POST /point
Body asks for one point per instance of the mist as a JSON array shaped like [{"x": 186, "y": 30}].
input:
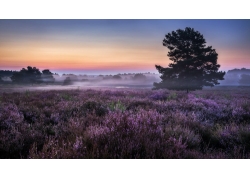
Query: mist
[
  {"x": 72, "y": 81},
  {"x": 232, "y": 78},
  {"x": 236, "y": 77},
  {"x": 114, "y": 81}
]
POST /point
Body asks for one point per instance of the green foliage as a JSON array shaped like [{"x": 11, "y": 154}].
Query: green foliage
[
  {"x": 194, "y": 65},
  {"x": 172, "y": 96},
  {"x": 114, "y": 106}
]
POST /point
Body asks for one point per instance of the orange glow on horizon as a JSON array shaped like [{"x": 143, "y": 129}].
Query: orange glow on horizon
[
  {"x": 77, "y": 56},
  {"x": 56, "y": 56}
]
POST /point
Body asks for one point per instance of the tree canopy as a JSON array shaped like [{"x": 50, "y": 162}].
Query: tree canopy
[
  {"x": 32, "y": 75},
  {"x": 194, "y": 64},
  {"x": 47, "y": 76},
  {"x": 67, "y": 81},
  {"x": 6, "y": 73},
  {"x": 29, "y": 75},
  {"x": 117, "y": 77},
  {"x": 139, "y": 77}
]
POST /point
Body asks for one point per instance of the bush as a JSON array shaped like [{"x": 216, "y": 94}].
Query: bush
[{"x": 67, "y": 81}]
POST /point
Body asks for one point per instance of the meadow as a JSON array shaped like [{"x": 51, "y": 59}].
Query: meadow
[{"x": 125, "y": 123}]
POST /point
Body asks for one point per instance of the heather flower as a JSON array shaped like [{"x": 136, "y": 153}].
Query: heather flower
[
  {"x": 159, "y": 95},
  {"x": 128, "y": 123}
]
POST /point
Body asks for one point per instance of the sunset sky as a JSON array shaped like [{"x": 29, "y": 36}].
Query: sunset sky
[{"x": 113, "y": 46}]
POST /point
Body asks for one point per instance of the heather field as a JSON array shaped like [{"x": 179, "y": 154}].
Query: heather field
[{"x": 125, "y": 123}]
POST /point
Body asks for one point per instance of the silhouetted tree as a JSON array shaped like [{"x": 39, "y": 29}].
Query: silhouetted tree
[
  {"x": 29, "y": 75},
  {"x": 6, "y": 73},
  {"x": 194, "y": 65},
  {"x": 239, "y": 71},
  {"x": 47, "y": 76},
  {"x": 244, "y": 80}
]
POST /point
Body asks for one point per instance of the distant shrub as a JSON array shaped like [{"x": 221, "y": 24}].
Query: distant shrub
[
  {"x": 117, "y": 77},
  {"x": 113, "y": 106},
  {"x": 139, "y": 77},
  {"x": 67, "y": 81}
]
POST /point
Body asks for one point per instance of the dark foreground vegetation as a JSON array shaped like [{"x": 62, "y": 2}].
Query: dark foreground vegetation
[{"x": 125, "y": 124}]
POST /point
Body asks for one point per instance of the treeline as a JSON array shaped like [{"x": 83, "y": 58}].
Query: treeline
[
  {"x": 31, "y": 75},
  {"x": 6, "y": 73},
  {"x": 241, "y": 71},
  {"x": 237, "y": 77}
]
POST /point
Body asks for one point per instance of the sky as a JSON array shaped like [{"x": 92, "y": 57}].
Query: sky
[{"x": 114, "y": 45}]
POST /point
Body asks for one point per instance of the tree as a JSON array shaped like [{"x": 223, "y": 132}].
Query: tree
[
  {"x": 47, "y": 76},
  {"x": 67, "y": 81},
  {"x": 29, "y": 75},
  {"x": 6, "y": 73},
  {"x": 139, "y": 77},
  {"x": 117, "y": 77},
  {"x": 194, "y": 65}
]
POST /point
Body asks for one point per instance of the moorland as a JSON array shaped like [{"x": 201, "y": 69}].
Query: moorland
[{"x": 129, "y": 123}]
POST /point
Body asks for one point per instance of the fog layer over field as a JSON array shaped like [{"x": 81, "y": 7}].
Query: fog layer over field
[
  {"x": 108, "y": 81},
  {"x": 234, "y": 77},
  {"x": 71, "y": 81}
]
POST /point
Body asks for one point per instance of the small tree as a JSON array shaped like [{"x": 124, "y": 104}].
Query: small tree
[
  {"x": 67, "y": 81},
  {"x": 194, "y": 65},
  {"x": 47, "y": 76},
  {"x": 117, "y": 77},
  {"x": 139, "y": 77}
]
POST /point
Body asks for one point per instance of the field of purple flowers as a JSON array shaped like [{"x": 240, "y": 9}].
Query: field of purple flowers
[{"x": 125, "y": 124}]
